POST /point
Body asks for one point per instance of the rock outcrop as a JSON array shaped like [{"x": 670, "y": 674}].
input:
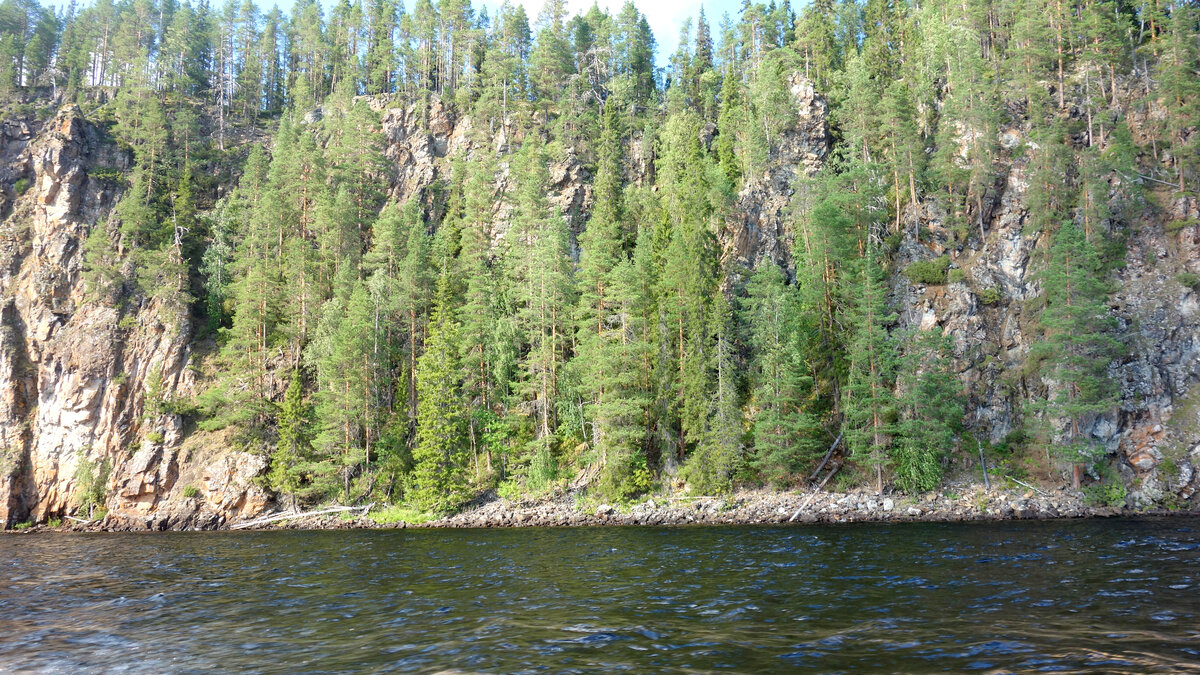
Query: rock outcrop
[
  {"x": 75, "y": 371},
  {"x": 422, "y": 142},
  {"x": 83, "y": 378},
  {"x": 759, "y": 224},
  {"x": 1155, "y": 434}
]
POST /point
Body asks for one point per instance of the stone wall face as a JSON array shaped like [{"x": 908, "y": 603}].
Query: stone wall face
[{"x": 75, "y": 370}]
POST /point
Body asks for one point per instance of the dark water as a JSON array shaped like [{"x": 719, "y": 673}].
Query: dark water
[{"x": 1100, "y": 596}]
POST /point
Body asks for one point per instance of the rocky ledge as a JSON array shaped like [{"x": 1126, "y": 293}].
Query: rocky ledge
[
  {"x": 764, "y": 507},
  {"x": 970, "y": 503}
]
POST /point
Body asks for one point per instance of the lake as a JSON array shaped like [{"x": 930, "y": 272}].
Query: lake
[{"x": 1099, "y": 595}]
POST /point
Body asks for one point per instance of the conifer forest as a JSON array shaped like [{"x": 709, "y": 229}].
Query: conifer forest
[{"x": 415, "y": 251}]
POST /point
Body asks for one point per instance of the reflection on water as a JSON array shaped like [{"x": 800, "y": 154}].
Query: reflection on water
[{"x": 1101, "y": 596}]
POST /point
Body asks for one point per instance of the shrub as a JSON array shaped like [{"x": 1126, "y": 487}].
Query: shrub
[
  {"x": 1108, "y": 494},
  {"x": 989, "y": 296},
  {"x": 1187, "y": 279},
  {"x": 399, "y": 514},
  {"x": 191, "y": 492},
  {"x": 955, "y": 276},
  {"x": 1110, "y": 491},
  {"x": 21, "y": 186},
  {"x": 92, "y": 481},
  {"x": 931, "y": 272},
  {"x": 1176, "y": 226},
  {"x": 892, "y": 243},
  {"x": 107, "y": 175}
]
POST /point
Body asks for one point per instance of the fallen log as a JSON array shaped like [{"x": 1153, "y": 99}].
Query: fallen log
[
  {"x": 815, "y": 490},
  {"x": 1021, "y": 482},
  {"x": 290, "y": 516},
  {"x": 987, "y": 484},
  {"x": 827, "y": 456}
]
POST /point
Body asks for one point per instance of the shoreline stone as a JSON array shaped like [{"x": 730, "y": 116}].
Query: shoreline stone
[{"x": 741, "y": 508}]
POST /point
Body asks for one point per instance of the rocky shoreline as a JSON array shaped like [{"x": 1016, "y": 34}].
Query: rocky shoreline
[
  {"x": 764, "y": 507},
  {"x": 969, "y": 503}
]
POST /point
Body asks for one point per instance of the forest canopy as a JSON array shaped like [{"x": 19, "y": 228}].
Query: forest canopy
[{"x": 473, "y": 337}]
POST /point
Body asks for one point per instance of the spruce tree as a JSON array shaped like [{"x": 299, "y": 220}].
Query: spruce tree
[
  {"x": 289, "y": 461},
  {"x": 868, "y": 404},
  {"x": 930, "y": 411},
  {"x": 1080, "y": 345},
  {"x": 439, "y": 477},
  {"x": 784, "y": 429}
]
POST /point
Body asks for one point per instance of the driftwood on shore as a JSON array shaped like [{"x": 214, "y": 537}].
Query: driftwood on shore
[
  {"x": 1021, "y": 482},
  {"x": 827, "y": 456},
  {"x": 987, "y": 484},
  {"x": 304, "y": 514},
  {"x": 816, "y": 490}
]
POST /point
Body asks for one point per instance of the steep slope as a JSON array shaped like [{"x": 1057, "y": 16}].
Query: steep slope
[
  {"x": 83, "y": 380},
  {"x": 75, "y": 372}
]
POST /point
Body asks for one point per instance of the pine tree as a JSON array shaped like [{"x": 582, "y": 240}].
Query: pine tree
[
  {"x": 691, "y": 185},
  {"x": 784, "y": 430},
  {"x": 1079, "y": 346},
  {"x": 340, "y": 356},
  {"x": 602, "y": 249},
  {"x": 867, "y": 400},
  {"x": 439, "y": 478},
  {"x": 930, "y": 411},
  {"x": 414, "y": 293},
  {"x": 485, "y": 379},
  {"x": 1181, "y": 89},
  {"x": 541, "y": 284},
  {"x": 816, "y": 42}
]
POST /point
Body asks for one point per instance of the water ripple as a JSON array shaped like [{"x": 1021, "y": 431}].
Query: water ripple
[{"x": 999, "y": 597}]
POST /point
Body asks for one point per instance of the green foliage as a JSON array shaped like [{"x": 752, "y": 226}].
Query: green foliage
[
  {"x": 1187, "y": 279},
  {"x": 930, "y": 411},
  {"x": 398, "y": 513},
  {"x": 439, "y": 479},
  {"x": 786, "y": 433},
  {"x": 1177, "y": 226},
  {"x": 626, "y": 481},
  {"x": 636, "y": 339},
  {"x": 294, "y": 468},
  {"x": 989, "y": 296},
  {"x": 1081, "y": 341},
  {"x": 868, "y": 399},
  {"x": 932, "y": 272},
  {"x": 1110, "y": 492},
  {"x": 191, "y": 492},
  {"x": 91, "y": 485}
]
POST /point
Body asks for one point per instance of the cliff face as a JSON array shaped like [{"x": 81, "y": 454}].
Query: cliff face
[
  {"x": 75, "y": 371},
  {"x": 758, "y": 227},
  {"x": 421, "y": 153},
  {"x": 77, "y": 374},
  {"x": 1155, "y": 434}
]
